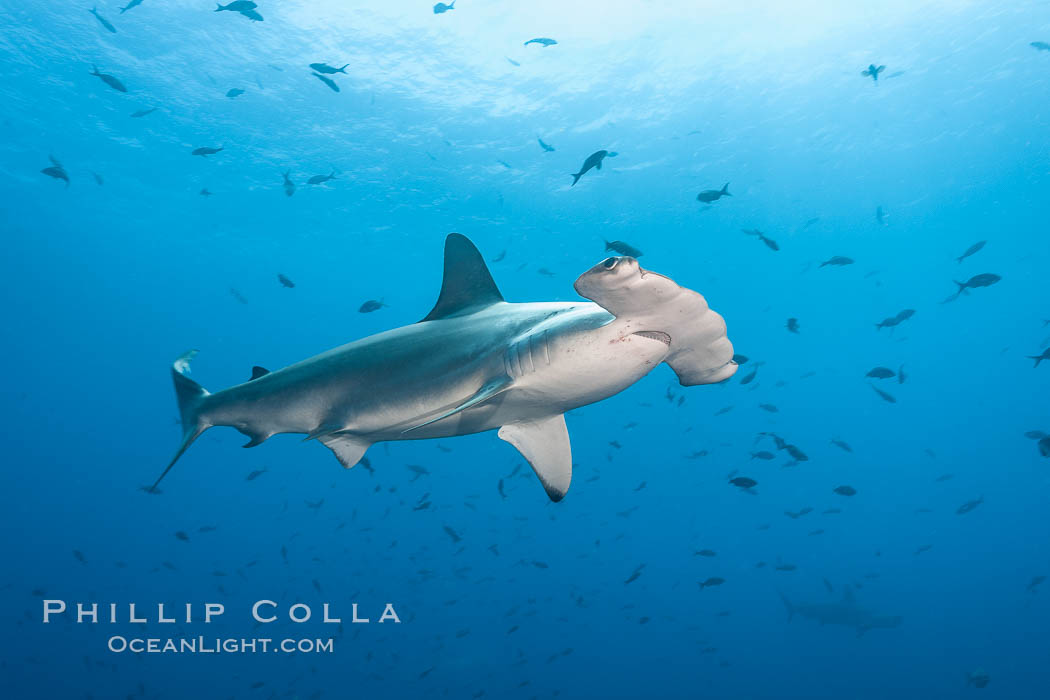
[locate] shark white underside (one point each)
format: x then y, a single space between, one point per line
478 363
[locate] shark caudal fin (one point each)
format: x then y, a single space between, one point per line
788 605
190 396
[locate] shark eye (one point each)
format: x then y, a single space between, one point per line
610 263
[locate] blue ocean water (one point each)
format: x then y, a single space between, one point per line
436 127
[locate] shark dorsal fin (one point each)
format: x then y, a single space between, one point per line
467 283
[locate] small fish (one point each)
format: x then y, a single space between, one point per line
285 282
885 397
881 373
762 455
1040 45
622 248
204 151
708 196
971 250
873 71
845 490
180 535
234 92
452 533
236 6
102 20
769 407
880 215
442 8
252 15
255 474
1039 358
713 581
542 41
98 178
108 80
56 170
705 553
133 3
747 379
594 160
985 279
327 69
238 296
327 81
895 320
770 243
796 454
743 482
321 179
635 574
80 556
289 186
740 359
837 261
418 470
792 325
841 445
205 192
371 305
545 146
138 114
786 567
968 506
499 258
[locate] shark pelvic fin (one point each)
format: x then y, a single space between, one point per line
489 389
348 449
467 282
544 443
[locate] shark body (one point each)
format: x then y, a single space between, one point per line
477 363
846 613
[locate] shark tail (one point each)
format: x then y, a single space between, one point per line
575 178
190 397
788 605
725 191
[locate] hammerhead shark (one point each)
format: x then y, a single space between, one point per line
477 363
846 612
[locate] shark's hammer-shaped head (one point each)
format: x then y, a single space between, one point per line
700 352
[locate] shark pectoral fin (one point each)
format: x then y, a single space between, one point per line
545 444
489 389
348 449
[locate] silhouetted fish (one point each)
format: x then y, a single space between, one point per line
285 282
708 196
102 20
205 151
56 170
971 250
873 71
594 160
289 186
542 41
441 8
327 69
371 305
546 147
108 80
622 248
327 81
